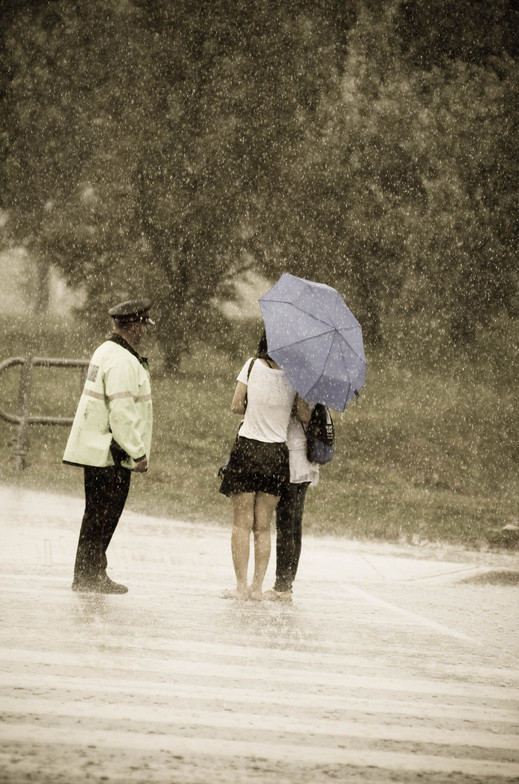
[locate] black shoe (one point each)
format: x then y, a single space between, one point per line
101 584
105 585
84 586
278 596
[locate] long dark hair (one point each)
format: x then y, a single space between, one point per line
262 350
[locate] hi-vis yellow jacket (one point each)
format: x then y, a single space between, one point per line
115 404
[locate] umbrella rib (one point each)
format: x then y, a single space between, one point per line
326 332
329 352
359 356
303 311
295 342
319 319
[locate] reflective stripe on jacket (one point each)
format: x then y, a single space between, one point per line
115 404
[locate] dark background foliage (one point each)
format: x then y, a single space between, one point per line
166 147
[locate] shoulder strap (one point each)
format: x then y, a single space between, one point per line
253 360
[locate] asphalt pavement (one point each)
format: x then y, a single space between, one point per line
391 663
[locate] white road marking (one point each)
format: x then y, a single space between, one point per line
210 670
413 617
29 734
235 720
64 687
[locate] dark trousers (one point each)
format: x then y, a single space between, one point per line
106 491
289 528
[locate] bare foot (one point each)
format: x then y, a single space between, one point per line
255 595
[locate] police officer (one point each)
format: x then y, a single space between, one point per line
110 438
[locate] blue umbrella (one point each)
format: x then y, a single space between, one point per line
315 338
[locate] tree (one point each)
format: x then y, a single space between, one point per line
403 192
354 189
159 147
150 134
470 234
432 32
466 68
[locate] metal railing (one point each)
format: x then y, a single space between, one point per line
24 418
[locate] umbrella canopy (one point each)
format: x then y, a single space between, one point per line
315 338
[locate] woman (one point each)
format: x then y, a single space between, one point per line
258 465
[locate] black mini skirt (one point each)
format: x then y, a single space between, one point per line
255 467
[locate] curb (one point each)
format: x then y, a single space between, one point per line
505 577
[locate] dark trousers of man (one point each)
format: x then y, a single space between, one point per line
106 491
289 528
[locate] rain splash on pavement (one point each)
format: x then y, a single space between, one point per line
384 667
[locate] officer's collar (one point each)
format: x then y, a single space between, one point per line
115 338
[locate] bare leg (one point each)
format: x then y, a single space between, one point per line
243 520
263 511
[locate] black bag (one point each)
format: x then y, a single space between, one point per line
320 436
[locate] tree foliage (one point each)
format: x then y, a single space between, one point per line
161 147
404 191
472 31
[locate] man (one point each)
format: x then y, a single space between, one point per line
110 438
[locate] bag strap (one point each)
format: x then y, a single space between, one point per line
253 360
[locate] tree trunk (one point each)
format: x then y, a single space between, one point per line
42 293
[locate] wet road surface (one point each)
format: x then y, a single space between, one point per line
385 667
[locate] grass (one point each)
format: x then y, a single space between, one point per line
429 454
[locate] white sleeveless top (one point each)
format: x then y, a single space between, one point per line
270 398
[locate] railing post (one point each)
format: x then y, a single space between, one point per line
24 418
24 403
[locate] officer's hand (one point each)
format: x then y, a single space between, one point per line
142 466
